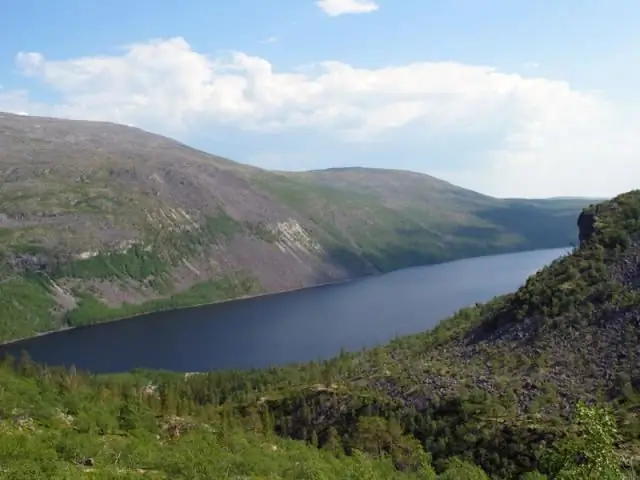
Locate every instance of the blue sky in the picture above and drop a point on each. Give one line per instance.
(508, 98)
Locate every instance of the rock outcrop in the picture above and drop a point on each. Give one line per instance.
(586, 224)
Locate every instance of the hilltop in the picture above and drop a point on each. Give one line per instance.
(497, 386)
(99, 221)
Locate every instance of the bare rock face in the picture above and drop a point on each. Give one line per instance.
(586, 225)
(31, 263)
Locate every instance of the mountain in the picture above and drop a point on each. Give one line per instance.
(497, 382)
(100, 221)
(546, 379)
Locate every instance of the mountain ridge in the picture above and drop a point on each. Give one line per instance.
(116, 221)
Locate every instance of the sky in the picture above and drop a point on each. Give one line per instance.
(509, 98)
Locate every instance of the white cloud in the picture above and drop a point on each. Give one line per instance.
(335, 8)
(515, 135)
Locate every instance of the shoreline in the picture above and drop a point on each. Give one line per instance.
(9, 343)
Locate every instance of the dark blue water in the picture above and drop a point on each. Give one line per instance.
(290, 327)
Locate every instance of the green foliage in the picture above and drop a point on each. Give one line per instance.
(483, 395)
(577, 281)
(533, 476)
(91, 310)
(190, 240)
(138, 263)
(459, 470)
(591, 454)
(384, 227)
(59, 425)
(26, 304)
(262, 231)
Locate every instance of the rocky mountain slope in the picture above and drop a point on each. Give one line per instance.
(495, 382)
(498, 386)
(115, 221)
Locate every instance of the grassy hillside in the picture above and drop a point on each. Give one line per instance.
(513, 389)
(100, 220)
(405, 219)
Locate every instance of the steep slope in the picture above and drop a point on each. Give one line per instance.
(458, 220)
(493, 385)
(99, 221)
(495, 382)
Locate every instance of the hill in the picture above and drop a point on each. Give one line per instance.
(99, 221)
(500, 386)
(496, 382)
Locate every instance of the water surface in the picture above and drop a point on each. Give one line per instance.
(290, 327)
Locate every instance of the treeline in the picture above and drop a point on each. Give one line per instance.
(60, 423)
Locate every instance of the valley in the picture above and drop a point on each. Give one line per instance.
(319, 240)
(540, 383)
(101, 221)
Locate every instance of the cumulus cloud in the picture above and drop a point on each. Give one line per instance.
(335, 8)
(497, 132)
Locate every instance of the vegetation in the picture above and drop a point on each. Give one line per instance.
(90, 310)
(66, 424)
(391, 219)
(119, 212)
(136, 263)
(542, 383)
(27, 303)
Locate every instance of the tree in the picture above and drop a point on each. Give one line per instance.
(590, 455)
(461, 470)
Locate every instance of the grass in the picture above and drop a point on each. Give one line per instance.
(25, 307)
(91, 310)
(28, 306)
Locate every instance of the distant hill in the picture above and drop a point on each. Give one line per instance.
(116, 221)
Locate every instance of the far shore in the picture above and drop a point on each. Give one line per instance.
(251, 296)
(183, 307)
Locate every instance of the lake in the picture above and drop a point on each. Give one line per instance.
(304, 325)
